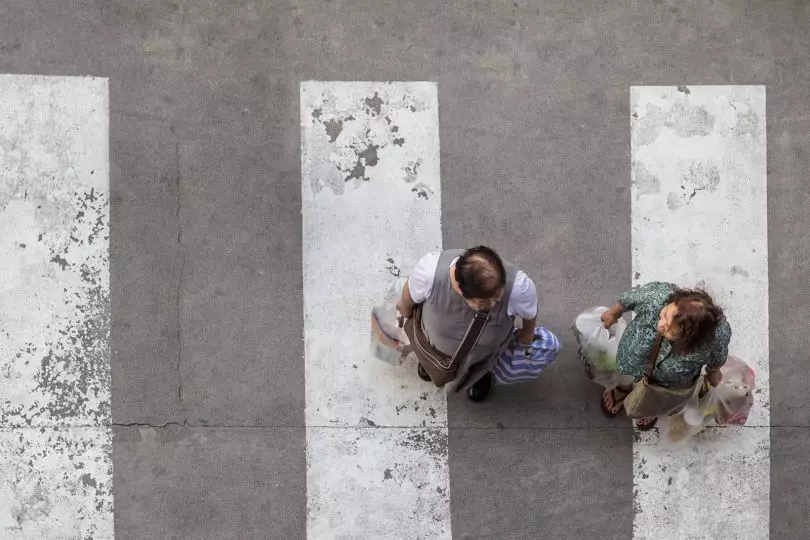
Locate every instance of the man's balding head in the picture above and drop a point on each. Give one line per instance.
(480, 273)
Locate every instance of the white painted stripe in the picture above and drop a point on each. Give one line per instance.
(699, 200)
(55, 439)
(376, 435)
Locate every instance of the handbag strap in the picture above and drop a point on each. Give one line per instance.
(471, 336)
(653, 357)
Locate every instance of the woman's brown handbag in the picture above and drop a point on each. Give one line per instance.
(648, 400)
(442, 368)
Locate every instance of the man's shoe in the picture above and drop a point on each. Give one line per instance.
(481, 389)
(422, 373)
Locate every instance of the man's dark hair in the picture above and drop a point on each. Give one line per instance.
(698, 318)
(480, 273)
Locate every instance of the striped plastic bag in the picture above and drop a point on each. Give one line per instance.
(520, 363)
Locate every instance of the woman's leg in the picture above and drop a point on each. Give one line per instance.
(613, 399)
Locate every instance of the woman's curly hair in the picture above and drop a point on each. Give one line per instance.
(698, 318)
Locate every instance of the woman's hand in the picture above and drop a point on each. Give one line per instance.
(612, 316)
(714, 377)
(609, 319)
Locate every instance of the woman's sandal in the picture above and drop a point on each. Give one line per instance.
(648, 424)
(617, 403)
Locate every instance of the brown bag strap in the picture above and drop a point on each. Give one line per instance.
(653, 357)
(471, 337)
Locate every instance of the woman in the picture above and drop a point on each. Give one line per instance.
(695, 334)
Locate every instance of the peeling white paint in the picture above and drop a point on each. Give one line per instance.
(55, 441)
(699, 216)
(371, 208)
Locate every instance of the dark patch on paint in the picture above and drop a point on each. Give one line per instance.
(645, 182)
(412, 108)
(22, 246)
(39, 239)
(635, 115)
(333, 128)
(61, 261)
(399, 141)
(358, 172)
(316, 113)
(433, 442)
(421, 193)
(374, 103)
(370, 155)
(637, 275)
(394, 129)
(387, 475)
(77, 368)
(682, 88)
(739, 271)
(367, 422)
(669, 481)
(685, 119)
(88, 480)
(365, 158)
(392, 268)
(412, 171)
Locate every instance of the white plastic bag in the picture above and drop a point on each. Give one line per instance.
(599, 347)
(388, 340)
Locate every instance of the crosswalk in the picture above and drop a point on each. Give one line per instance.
(377, 439)
(55, 440)
(377, 456)
(699, 215)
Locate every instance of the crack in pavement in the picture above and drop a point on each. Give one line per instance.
(179, 282)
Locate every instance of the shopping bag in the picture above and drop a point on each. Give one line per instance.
(735, 395)
(697, 413)
(520, 363)
(598, 347)
(728, 403)
(388, 339)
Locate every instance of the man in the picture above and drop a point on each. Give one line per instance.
(450, 287)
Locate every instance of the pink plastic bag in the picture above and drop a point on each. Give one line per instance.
(388, 339)
(728, 403)
(735, 395)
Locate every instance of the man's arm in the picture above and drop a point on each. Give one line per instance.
(525, 335)
(406, 303)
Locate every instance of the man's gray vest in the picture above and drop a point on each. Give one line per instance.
(446, 317)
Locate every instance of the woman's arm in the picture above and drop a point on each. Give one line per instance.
(718, 355)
